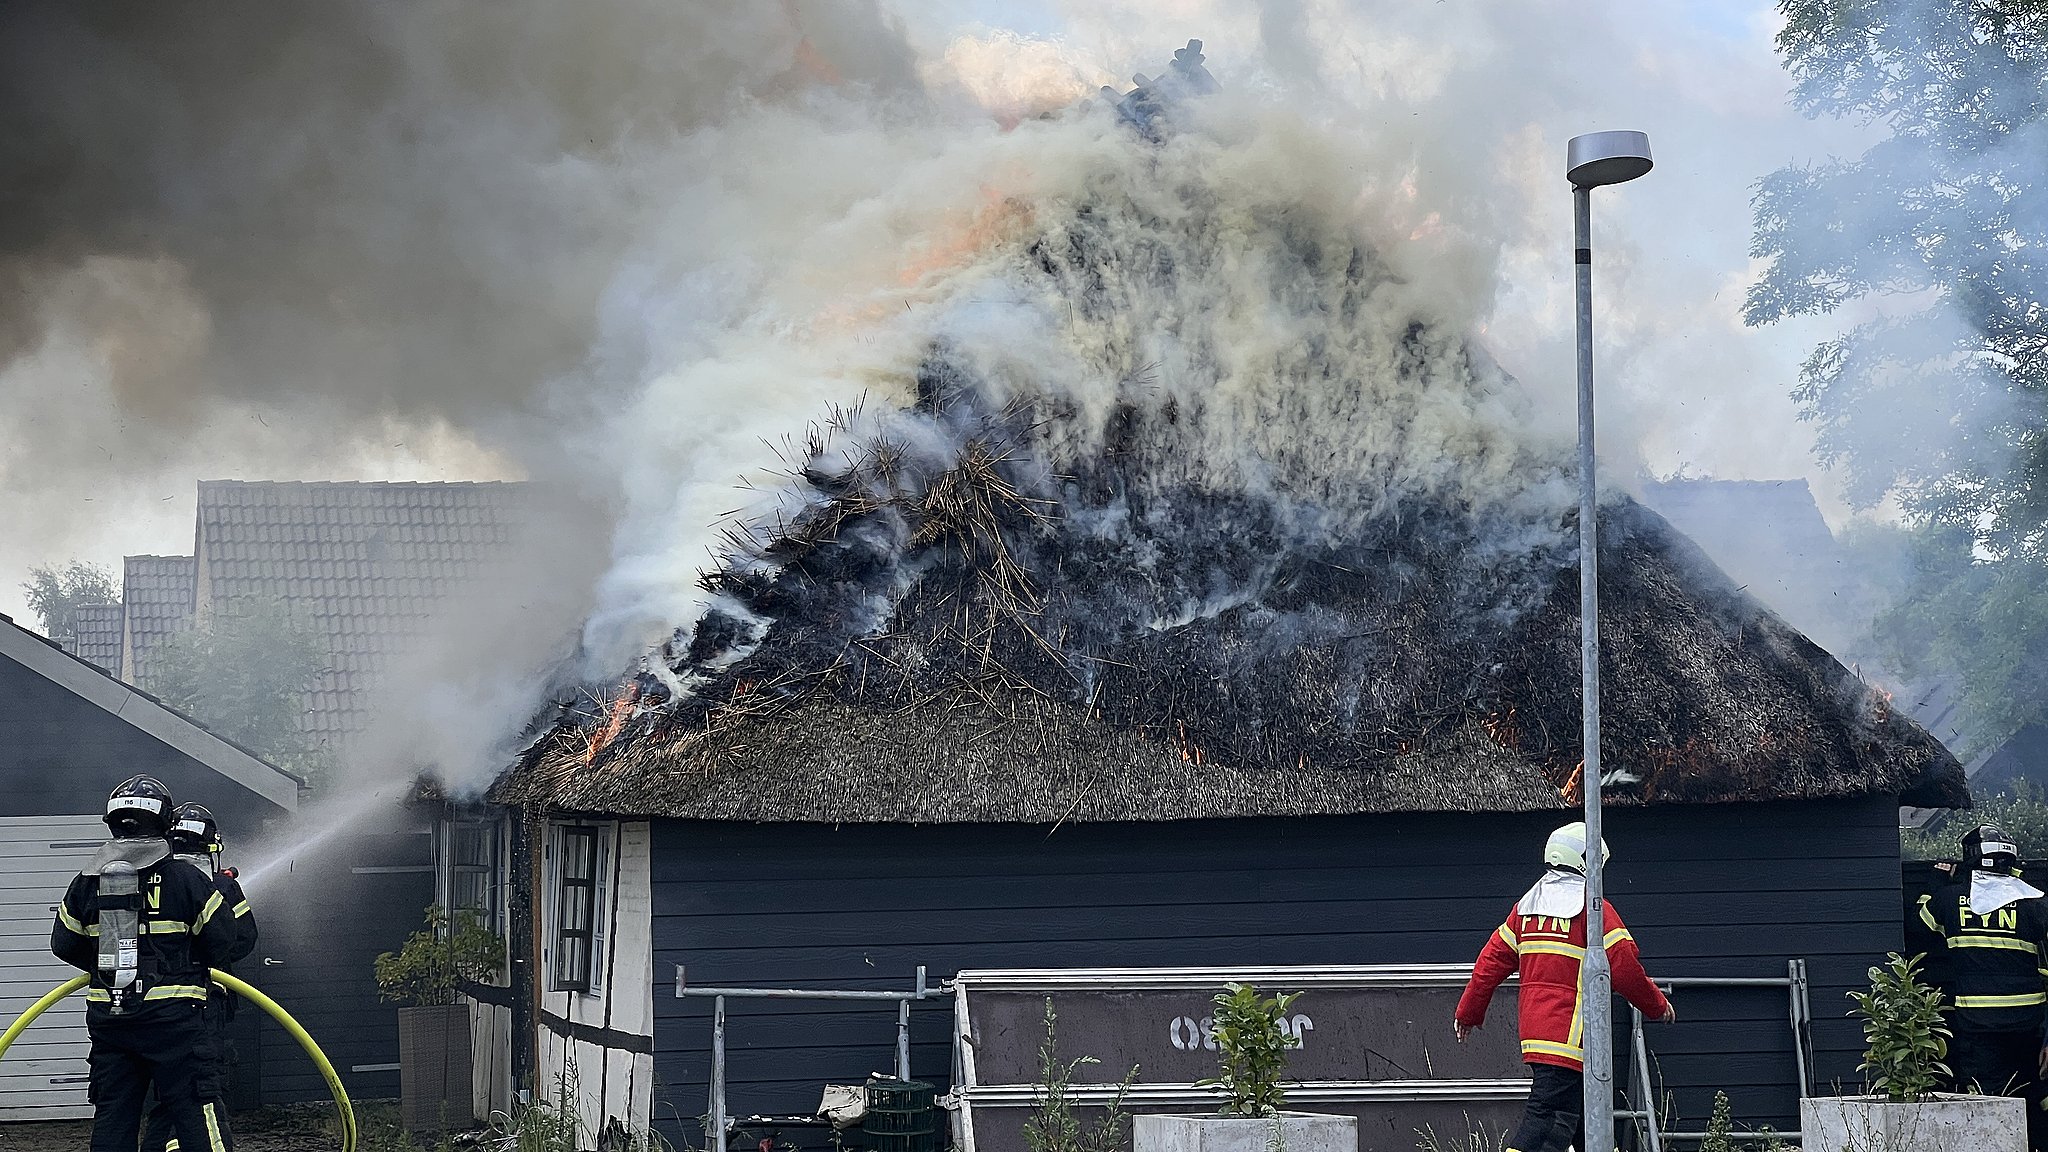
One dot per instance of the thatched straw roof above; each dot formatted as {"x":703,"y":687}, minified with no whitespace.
{"x":1390,"y":706}
{"x":1198,"y":508}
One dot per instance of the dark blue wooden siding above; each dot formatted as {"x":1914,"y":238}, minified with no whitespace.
{"x":324,"y":924}
{"x":1712,"y":891}
{"x":60,"y":755}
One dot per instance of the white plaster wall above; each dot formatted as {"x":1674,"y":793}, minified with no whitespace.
{"x":611,"y":1082}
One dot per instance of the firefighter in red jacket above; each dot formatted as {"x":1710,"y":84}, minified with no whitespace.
{"x":1544,"y":939}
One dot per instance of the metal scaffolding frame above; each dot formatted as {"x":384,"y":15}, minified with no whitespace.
{"x":719,"y":1118}
{"x":1799,"y":1013}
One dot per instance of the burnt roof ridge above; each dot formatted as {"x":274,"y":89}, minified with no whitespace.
{"x":1297,"y":693}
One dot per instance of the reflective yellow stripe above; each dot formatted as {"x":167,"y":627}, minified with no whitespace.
{"x":176,"y":992}
{"x":1506,"y":934}
{"x":1617,"y":936}
{"x":1552,"y":948}
{"x":213,"y":1129}
{"x":242,"y":909}
{"x":2024,"y":1000}
{"x":1551,"y":1048}
{"x":171,"y":1145}
{"x":213,"y":904}
{"x":1927,"y":916}
{"x":70,"y":922}
{"x":167,"y":928}
{"x":2005,"y":942}
{"x":160,"y":992}
{"x":1577,"y":1036}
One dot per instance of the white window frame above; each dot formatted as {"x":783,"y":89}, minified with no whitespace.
{"x":494,"y":883}
{"x":600,"y":914}
{"x":599,"y":888}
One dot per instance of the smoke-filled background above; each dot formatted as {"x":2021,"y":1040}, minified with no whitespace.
{"x":623,"y":247}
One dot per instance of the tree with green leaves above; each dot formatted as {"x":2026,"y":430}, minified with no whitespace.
{"x":1938,"y":394}
{"x":1981,"y":624}
{"x":1934,"y":244}
{"x":56,"y":594}
{"x":2022,"y":814}
{"x":244,"y":672}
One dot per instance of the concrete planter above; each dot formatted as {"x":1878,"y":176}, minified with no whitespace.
{"x":434,"y":1088}
{"x":1287,"y":1132}
{"x":1940,"y":1123}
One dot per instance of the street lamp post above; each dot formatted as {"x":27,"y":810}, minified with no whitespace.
{"x":1591,"y":161}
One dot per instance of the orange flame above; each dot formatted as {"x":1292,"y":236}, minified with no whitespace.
{"x":621,"y":710}
{"x":1571,"y":788}
{"x":998,"y":218}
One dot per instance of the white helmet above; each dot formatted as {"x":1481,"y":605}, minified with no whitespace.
{"x":1566,"y":847}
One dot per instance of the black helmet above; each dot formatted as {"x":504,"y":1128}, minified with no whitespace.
{"x":194,"y":830}
{"x":1986,"y":848}
{"x":141,"y":806}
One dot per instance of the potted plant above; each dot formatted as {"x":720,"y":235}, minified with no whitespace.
{"x":426,"y":974}
{"x":1906,"y":1042}
{"x":1252,"y":1041}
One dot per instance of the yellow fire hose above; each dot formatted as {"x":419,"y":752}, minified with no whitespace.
{"x":341,"y":1103}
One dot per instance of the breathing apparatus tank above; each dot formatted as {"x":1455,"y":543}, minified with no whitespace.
{"x":120,"y":908}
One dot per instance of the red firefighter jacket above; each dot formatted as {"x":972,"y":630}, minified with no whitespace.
{"x":1547,"y":951}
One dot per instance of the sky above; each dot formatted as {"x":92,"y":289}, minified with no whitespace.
{"x":101,"y":469}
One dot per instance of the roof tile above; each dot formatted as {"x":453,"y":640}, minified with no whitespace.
{"x":366,"y":563}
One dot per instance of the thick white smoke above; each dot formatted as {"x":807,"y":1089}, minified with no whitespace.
{"x":622,"y":245}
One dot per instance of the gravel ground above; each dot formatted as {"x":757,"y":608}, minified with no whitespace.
{"x":297,"y":1129}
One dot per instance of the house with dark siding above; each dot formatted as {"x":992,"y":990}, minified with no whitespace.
{"x":1201,"y":595}
{"x":793,"y":823}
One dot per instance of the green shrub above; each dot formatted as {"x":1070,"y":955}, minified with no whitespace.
{"x":430,"y":967}
{"x":1720,"y":1127}
{"x":1053,"y":1126}
{"x":1903,"y":1030}
{"x":1252,"y":1035}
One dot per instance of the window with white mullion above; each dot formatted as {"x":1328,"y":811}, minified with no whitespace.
{"x":576,"y":885}
{"x":473,"y":870}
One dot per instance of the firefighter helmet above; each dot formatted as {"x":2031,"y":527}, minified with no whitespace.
{"x":1986,"y":848}
{"x":1567,"y":847}
{"x":141,"y":806}
{"x":195,"y":831}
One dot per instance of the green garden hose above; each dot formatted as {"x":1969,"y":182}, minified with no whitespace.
{"x":341,"y":1103}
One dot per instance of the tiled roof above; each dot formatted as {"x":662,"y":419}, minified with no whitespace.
{"x":156,"y":592}
{"x":96,"y":636}
{"x":367,"y":565}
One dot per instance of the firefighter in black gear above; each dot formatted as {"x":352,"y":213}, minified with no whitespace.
{"x":195,"y":839}
{"x":146,"y":927}
{"x":1994,"y":928}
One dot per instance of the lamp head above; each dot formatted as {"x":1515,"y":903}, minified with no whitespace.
{"x":1599,"y":158}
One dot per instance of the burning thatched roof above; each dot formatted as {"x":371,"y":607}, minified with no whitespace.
{"x":1351,"y":684}
{"x":1197,"y":507}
